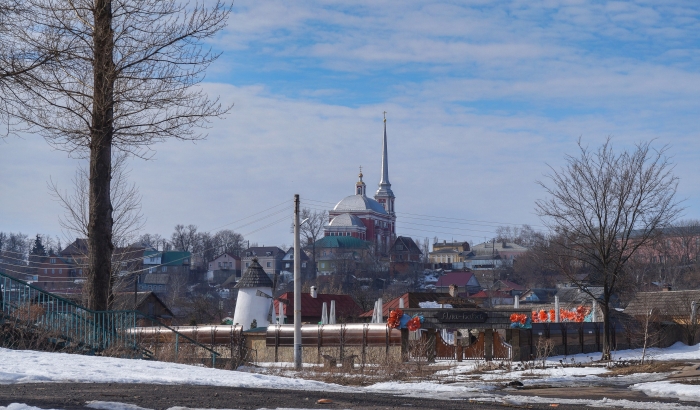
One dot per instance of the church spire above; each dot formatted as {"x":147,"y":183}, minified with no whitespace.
{"x":385,"y":195}
{"x":384,"y":182}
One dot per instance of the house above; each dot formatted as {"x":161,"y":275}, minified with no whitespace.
{"x":538,"y":296}
{"x":288,"y":262}
{"x":491,"y":298}
{"x":446,"y":253}
{"x":147,"y":303}
{"x":416,"y":300}
{"x":223,"y":267}
{"x":340,"y":254}
{"x":678,"y":307}
{"x":404,"y":256}
{"x":346,"y":309}
{"x":168,"y":272}
{"x":574,"y":295}
{"x":512,"y":288}
{"x":466,"y":282}
{"x":508,"y":251}
{"x":269,"y":257}
{"x":55,"y":274}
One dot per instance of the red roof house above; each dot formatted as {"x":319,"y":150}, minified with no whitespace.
{"x":466,"y":282}
{"x":346,"y":308}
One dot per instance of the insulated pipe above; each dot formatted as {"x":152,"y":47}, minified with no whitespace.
{"x":401,"y":302}
{"x":324,"y":314}
{"x":557,"y":319}
{"x":380,"y":311}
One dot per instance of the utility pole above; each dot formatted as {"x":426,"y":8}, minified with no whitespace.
{"x":297,"y":287}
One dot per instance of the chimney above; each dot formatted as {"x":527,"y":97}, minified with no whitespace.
{"x":454,"y":290}
{"x":314,"y":292}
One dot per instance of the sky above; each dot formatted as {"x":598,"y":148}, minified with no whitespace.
{"x":481,"y":98}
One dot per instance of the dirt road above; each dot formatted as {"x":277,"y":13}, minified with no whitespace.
{"x":75,"y":395}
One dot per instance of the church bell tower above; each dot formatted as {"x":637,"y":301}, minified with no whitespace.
{"x":385,"y":195}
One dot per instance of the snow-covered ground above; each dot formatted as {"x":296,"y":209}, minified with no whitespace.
{"x":26,"y":366}
{"x":459,"y":381}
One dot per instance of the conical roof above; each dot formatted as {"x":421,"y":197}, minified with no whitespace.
{"x":254,"y":277}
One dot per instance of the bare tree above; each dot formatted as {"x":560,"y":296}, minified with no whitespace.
{"x":311,"y":231}
{"x":124,"y":196}
{"x":184,"y":238}
{"x":153,"y":240}
{"x":523,"y":236}
{"x":229,"y":241}
{"x":602,"y":208}
{"x":123,"y":76}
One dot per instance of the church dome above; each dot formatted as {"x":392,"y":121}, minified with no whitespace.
{"x":346,"y":220}
{"x":359,"y":203}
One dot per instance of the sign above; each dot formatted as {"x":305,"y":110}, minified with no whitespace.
{"x":463,"y":316}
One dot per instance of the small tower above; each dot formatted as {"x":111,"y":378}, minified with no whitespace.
{"x":254,"y":297}
{"x":360,"y":187}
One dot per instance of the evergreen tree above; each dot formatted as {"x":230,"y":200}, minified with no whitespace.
{"x":38,"y":248}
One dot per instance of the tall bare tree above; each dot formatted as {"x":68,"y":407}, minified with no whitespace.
{"x":311,"y":231}
{"x":123,"y":75}
{"x":602,"y":206}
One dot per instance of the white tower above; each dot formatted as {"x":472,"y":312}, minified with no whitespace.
{"x":254,"y":297}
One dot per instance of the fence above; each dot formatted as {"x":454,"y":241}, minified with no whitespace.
{"x":69,"y":326}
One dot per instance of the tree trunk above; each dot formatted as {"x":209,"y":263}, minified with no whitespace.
{"x":607,"y":339}
{"x":100,"y":223}
{"x":313,"y":261}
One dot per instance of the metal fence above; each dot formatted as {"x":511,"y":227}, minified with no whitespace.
{"x":73,"y":327}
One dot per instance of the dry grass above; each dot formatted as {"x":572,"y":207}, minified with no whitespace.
{"x":650,"y":367}
{"x":694,"y":382}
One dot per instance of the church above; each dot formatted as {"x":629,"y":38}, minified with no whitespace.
{"x":365,"y":218}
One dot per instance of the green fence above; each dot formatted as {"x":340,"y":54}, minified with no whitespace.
{"x":76,"y":328}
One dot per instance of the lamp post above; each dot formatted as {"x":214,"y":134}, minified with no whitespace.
{"x":297,"y":287}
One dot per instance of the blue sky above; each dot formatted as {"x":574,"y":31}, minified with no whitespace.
{"x":480,"y":96}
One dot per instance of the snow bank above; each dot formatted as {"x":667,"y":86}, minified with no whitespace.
{"x":25,"y":366}
{"x":669,"y":389}
{"x":678,"y":351}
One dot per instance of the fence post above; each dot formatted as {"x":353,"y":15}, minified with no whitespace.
{"x":488,"y":344}
{"x":404,"y":345}
{"x":432,"y":345}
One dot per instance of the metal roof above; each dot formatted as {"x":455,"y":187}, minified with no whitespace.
{"x":346,"y":220}
{"x":359,"y":203}
{"x":455,"y":278}
{"x":345,"y":305}
{"x":349,"y":242}
{"x":254,"y":277}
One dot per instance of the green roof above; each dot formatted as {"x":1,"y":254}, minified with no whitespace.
{"x":342,"y":242}
{"x":175,"y":258}
{"x":150,"y":253}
